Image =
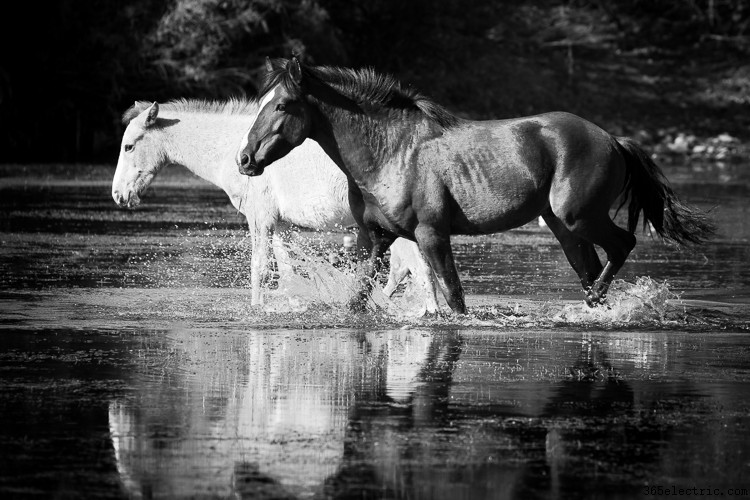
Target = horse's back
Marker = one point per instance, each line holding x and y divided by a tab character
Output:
500	173
310	189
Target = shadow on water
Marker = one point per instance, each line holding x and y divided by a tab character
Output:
132	366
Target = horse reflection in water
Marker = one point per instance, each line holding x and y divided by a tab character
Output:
530	428
366	414
272	423
308	190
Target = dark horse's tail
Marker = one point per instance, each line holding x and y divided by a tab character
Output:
649	191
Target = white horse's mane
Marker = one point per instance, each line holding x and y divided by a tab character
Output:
232	106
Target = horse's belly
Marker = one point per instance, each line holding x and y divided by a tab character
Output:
493	180
320	214
490	207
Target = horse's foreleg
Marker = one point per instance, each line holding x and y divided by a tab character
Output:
280	252
427	282
423	277
436	247
364	245
260	241
368	268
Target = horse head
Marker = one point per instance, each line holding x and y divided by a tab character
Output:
141	154
283	121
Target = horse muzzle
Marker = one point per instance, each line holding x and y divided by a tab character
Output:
249	166
128	199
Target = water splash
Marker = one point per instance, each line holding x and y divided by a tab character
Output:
644	301
633	306
209	271
311	278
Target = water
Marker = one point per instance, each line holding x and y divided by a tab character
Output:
133	366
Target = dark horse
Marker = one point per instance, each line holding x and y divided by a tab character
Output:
419	172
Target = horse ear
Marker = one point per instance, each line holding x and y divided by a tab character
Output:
153	112
295	71
269	66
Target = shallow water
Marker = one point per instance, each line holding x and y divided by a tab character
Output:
132	365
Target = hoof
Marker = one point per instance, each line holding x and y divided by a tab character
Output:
432	315
594	300
445	316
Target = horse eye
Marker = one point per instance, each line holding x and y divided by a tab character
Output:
129	148
280	107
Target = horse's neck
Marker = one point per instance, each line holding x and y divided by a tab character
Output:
369	144
206	145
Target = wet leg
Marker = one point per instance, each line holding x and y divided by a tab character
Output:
406	258
617	244
436	247
368	268
280	252
425	279
364	245
259	259
580	253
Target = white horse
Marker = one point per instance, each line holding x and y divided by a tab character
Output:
308	190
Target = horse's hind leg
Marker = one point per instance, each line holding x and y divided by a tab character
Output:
617	244
580	253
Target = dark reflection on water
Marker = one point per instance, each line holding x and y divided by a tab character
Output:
131	365
378	413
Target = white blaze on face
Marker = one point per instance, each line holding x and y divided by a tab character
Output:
125	173
263	103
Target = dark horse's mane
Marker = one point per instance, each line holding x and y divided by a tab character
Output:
365	87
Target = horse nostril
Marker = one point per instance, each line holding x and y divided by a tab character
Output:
245	160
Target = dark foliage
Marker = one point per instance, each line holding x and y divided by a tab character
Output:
68	69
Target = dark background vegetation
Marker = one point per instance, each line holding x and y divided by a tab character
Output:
649	68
